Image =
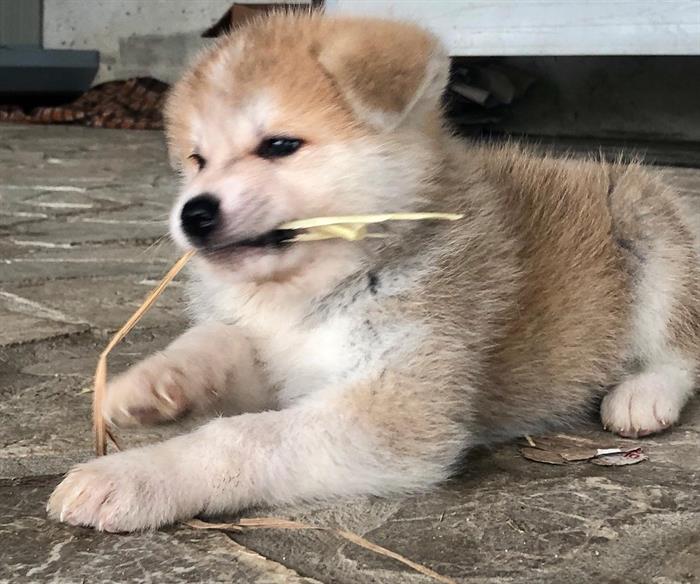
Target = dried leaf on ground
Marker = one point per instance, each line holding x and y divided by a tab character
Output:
539	455
561	449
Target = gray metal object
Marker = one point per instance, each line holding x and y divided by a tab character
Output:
20	22
31	70
26	69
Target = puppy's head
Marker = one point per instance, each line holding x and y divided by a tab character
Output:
297	116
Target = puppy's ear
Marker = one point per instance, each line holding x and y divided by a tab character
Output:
389	73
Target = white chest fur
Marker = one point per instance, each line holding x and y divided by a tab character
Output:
303	347
302	358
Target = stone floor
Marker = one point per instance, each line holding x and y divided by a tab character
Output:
82	215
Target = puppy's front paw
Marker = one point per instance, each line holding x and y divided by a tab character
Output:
120	492
640	406
150	392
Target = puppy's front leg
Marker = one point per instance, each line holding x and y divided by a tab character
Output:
210	365
364	440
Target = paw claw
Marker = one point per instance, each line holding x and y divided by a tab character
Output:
163	394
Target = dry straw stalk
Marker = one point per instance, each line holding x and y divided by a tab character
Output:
352	228
279	523
349	227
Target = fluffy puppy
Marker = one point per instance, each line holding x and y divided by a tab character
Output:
370	367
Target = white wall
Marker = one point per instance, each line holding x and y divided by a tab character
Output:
134	37
157	37
547	27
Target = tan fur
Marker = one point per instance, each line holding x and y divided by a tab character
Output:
371	366
561	330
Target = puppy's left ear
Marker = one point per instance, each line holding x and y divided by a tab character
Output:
389	73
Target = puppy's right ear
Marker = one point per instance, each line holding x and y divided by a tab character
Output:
389	73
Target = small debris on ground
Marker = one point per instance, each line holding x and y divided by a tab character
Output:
562	449
621	459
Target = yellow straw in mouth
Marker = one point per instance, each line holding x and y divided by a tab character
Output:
349	227
367	219
354	227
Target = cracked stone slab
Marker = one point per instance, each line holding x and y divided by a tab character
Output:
28	264
104	303
45	402
506	519
502	520
25	321
76	232
37	551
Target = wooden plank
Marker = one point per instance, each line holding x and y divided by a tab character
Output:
547	27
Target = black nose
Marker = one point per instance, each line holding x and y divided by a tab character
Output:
200	216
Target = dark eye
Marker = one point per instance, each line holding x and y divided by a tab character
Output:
278	146
198	159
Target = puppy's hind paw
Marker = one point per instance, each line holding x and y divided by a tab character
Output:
640	406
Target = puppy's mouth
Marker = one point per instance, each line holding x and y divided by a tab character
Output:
275	239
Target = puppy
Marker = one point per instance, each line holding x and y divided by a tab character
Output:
370	367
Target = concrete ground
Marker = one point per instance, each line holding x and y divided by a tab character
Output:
82	214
